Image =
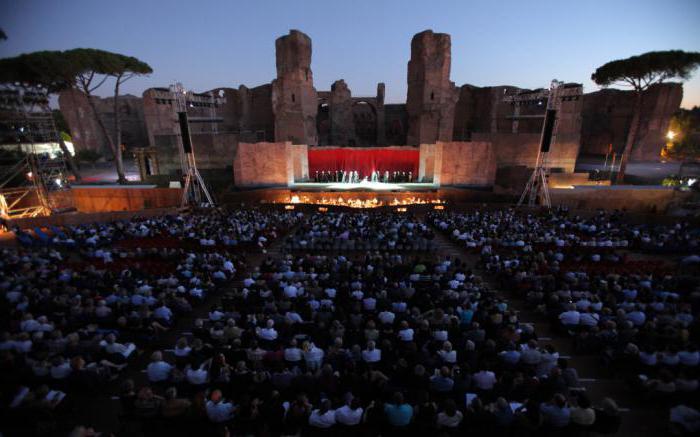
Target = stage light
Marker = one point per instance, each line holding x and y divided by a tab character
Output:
671	135
295	199
59	182
30	175
400	209
288	207
439	207
322	209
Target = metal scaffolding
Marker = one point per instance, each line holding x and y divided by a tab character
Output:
194	192
537	187
30	179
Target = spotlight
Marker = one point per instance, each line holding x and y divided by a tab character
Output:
288	207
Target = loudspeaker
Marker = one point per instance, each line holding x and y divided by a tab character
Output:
185	132
549	120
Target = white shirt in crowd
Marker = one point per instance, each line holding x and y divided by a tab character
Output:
219	412
571	317
325	420
292	354
484	380
372	356
197	376
347	416
406	334
158	371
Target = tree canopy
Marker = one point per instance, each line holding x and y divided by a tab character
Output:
58	70
642	71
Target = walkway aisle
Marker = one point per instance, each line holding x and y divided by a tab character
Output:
639	418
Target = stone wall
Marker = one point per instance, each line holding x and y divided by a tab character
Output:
212	127
483	114
294	99
395	123
299	163
265	164
101	199
464	163
247	112
342	123
607	115
86	132
431	95
426	163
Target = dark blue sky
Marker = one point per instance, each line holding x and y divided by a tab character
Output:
206	44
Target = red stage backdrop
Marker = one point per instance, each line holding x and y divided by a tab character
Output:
364	161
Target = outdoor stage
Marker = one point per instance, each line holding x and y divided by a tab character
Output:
362	186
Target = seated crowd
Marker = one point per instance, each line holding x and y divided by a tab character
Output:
638	314
357	327
361	231
78	308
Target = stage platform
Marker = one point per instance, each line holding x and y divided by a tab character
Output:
362	186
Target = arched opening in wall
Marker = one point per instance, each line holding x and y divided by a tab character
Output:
364	115
323	124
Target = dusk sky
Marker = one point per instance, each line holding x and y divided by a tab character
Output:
208	44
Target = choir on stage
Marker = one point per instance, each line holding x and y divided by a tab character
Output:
354	177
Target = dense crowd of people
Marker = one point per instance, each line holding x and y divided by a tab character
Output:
639	315
361	231
80	305
357	326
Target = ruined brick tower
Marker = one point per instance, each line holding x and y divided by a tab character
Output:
431	96
294	100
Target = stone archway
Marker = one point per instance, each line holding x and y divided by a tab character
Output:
323	123
364	115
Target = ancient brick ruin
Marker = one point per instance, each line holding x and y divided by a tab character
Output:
85	130
290	109
431	95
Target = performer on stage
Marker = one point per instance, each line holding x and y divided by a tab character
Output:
386	176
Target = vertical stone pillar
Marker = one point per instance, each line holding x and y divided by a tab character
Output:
294	99
431	96
381	127
342	128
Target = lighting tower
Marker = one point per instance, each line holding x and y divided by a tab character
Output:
537	187
27	182
195	190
